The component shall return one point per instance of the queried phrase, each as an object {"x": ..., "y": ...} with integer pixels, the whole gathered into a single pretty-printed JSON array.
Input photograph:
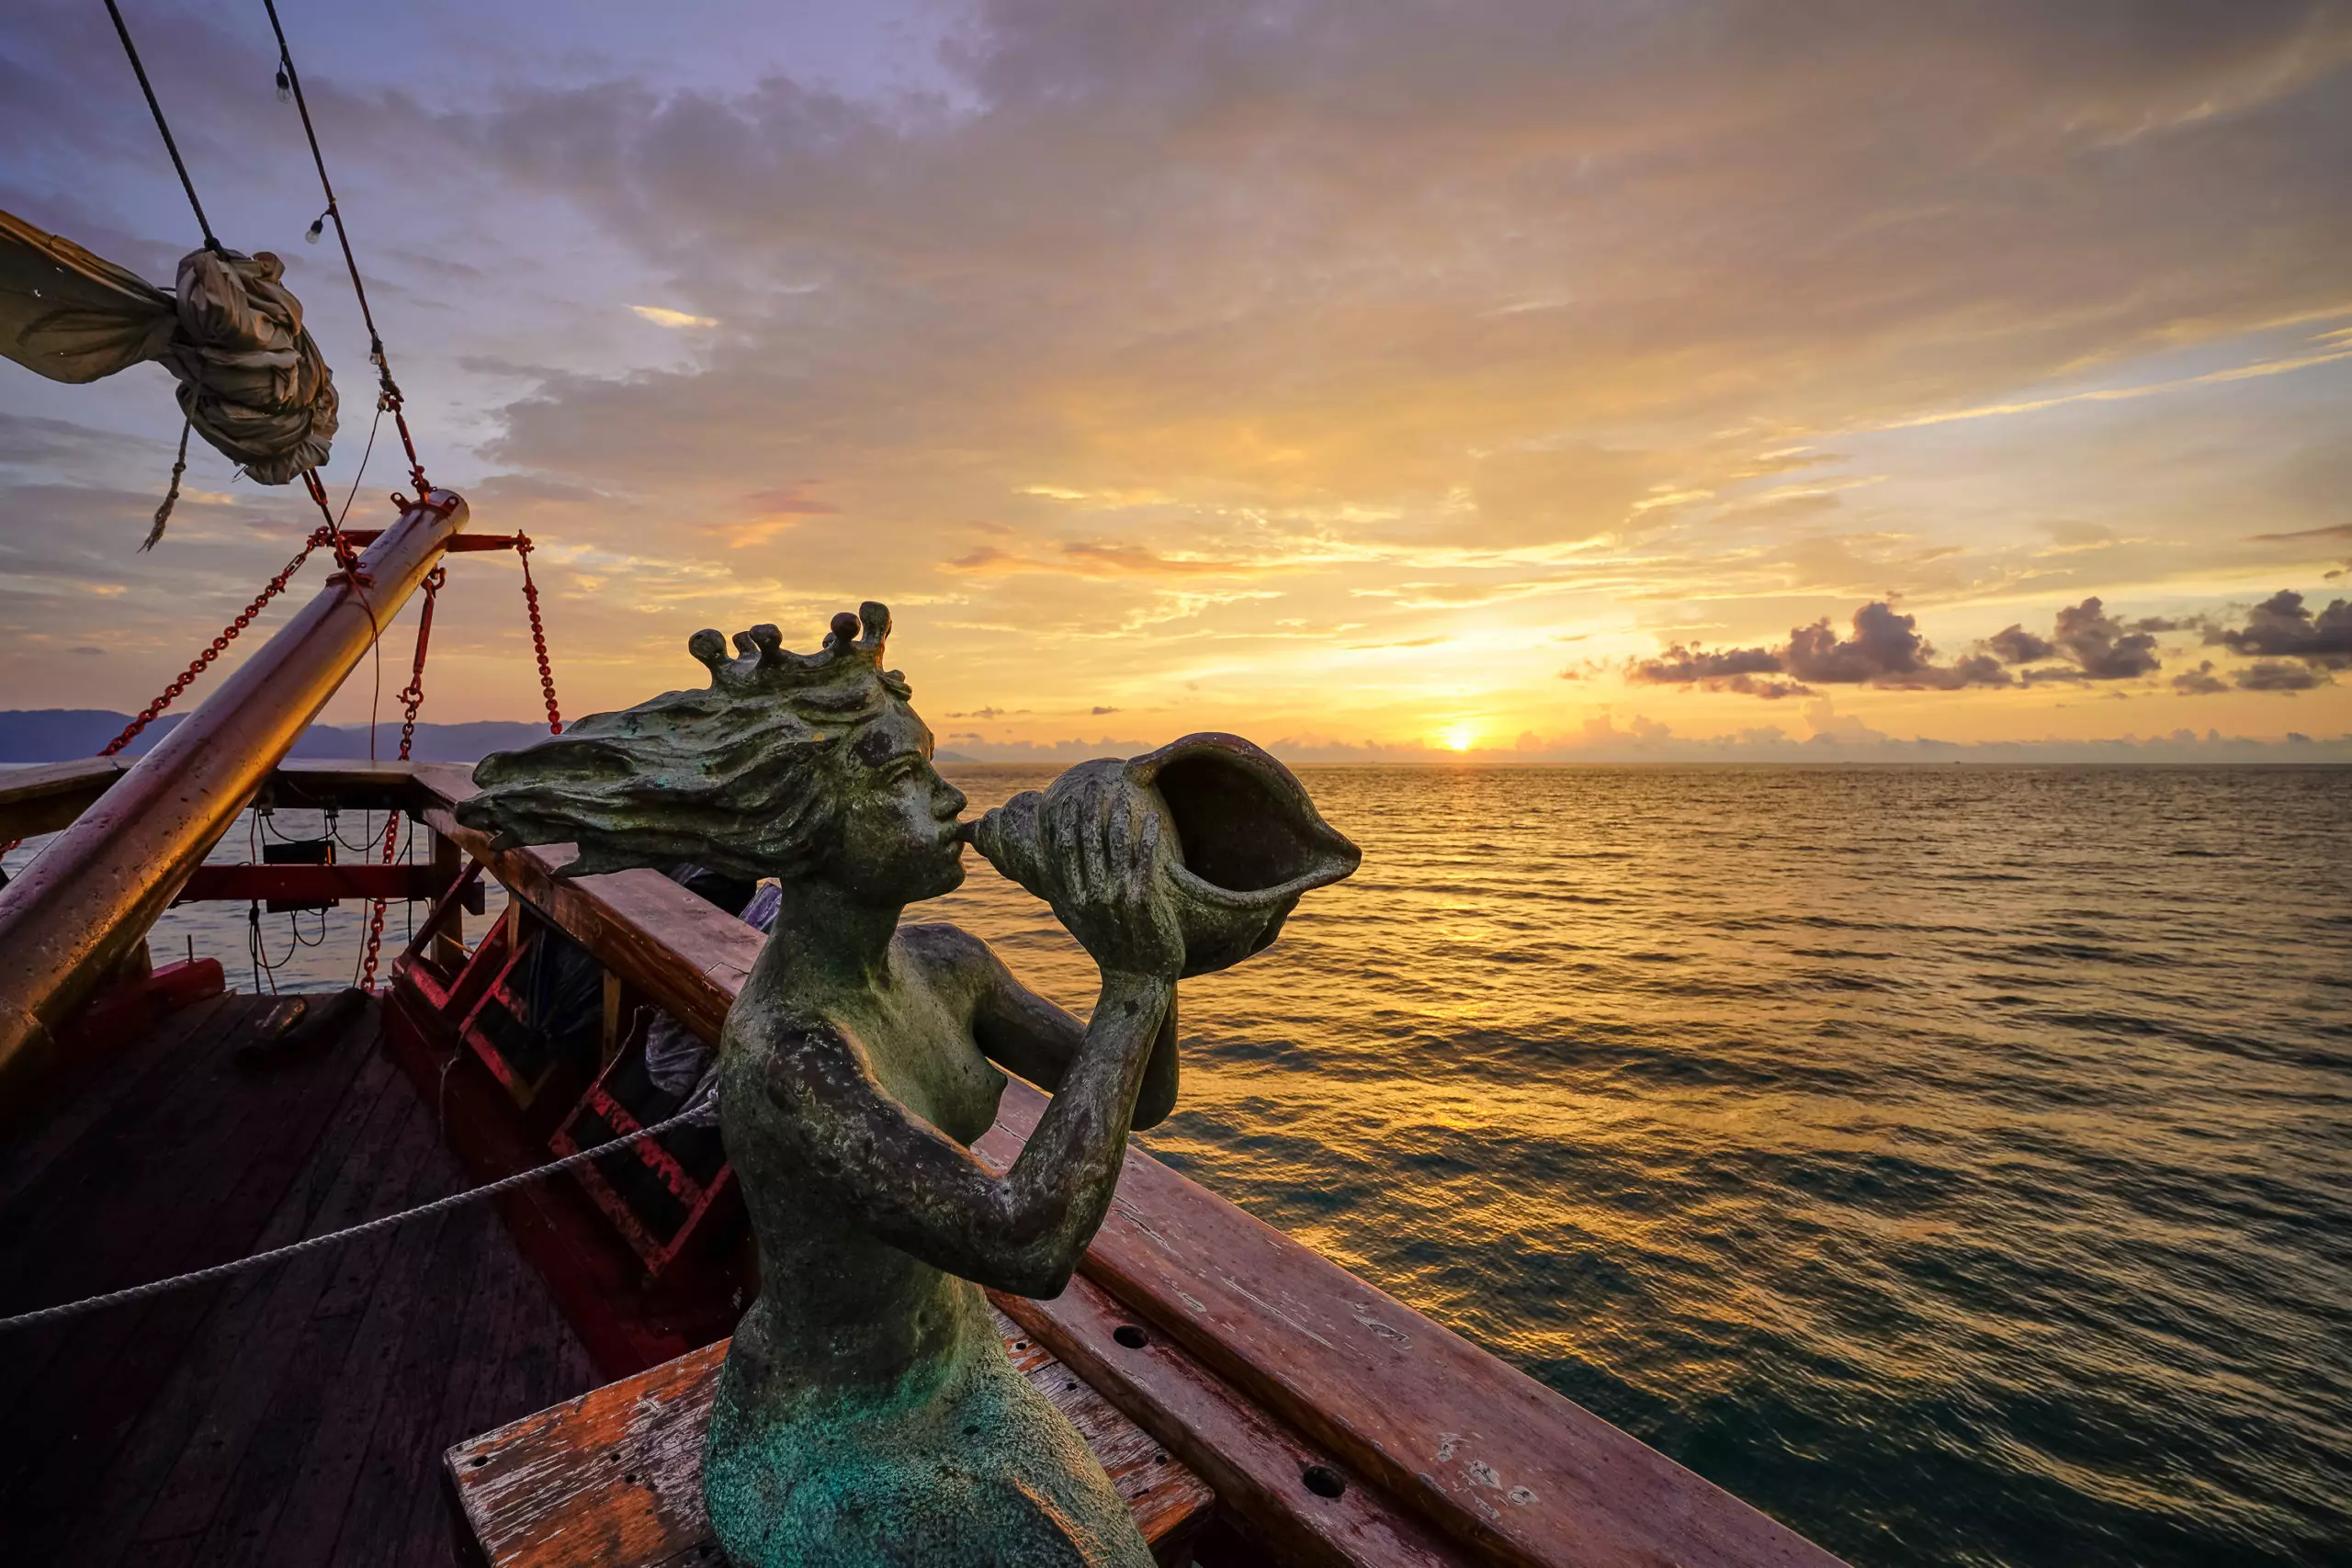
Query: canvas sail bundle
[{"x": 252, "y": 382}]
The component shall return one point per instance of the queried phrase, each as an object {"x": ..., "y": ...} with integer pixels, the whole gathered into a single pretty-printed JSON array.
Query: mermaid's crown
[{"x": 765, "y": 664}]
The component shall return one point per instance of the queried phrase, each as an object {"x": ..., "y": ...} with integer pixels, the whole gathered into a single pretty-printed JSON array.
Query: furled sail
[{"x": 252, "y": 381}]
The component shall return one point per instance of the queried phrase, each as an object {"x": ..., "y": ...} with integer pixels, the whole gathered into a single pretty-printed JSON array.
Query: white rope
[{"x": 704, "y": 1108}]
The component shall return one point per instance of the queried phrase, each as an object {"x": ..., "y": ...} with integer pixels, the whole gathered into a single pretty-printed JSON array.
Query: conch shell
[{"x": 1239, "y": 841}]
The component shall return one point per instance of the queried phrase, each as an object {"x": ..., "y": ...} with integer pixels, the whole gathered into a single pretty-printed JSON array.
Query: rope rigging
[
  {"x": 122, "y": 30},
  {"x": 251, "y": 378},
  {"x": 330, "y": 533},
  {"x": 387, "y": 396}
]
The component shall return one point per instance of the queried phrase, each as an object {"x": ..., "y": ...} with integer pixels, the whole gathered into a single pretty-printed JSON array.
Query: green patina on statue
[{"x": 867, "y": 1412}]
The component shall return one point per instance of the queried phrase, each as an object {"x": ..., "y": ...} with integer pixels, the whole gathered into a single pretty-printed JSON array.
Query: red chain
[
  {"x": 389, "y": 399},
  {"x": 412, "y": 698},
  {"x": 277, "y": 585},
  {"x": 538, "y": 635}
]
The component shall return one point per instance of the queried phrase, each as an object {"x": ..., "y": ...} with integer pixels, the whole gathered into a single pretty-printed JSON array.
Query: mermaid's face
[{"x": 899, "y": 842}]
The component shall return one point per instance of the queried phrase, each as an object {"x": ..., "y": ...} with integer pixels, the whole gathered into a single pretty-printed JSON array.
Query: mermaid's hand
[{"x": 1101, "y": 840}]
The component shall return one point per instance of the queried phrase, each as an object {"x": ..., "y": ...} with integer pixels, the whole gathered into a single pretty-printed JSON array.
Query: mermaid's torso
[{"x": 867, "y": 1412}]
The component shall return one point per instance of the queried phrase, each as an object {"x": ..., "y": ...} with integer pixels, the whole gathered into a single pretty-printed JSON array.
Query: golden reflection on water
[{"x": 1952, "y": 1162}]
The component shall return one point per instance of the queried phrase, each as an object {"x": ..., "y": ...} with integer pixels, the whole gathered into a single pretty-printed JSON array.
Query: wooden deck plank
[
  {"x": 176, "y": 1329},
  {"x": 495, "y": 1387},
  {"x": 424, "y": 1538},
  {"x": 79, "y": 1411},
  {"x": 240, "y": 1152},
  {"x": 363, "y": 1392},
  {"x": 401, "y": 1460},
  {"x": 91, "y": 1181},
  {"x": 566, "y": 1372},
  {"x": 79, "y": 1187},
  {"x": 189, "y": 1496},
  {"x": 240, "y": 1321},
  {"x": 326, "y": 1380},
  {"x": 79, "y": 1096},
  {"x": 612, "y": 1479},
  {"x": 262, "y": 1489}
]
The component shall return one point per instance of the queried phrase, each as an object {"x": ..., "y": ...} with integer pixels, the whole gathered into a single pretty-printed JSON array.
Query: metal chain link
[
  {"x": 412, "y": 698},
  {"x": 523, "y": 548},
  {"x": 277, "y": 585}
]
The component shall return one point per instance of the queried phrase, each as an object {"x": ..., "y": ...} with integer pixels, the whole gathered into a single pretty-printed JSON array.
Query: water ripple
[{"x": 1956, "y": 1164}]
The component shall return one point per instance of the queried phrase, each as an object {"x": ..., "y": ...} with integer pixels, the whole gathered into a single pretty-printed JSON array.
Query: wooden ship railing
[
  {"x": 86, "y": 905},
  {"x": 1336, "y": 1425}
]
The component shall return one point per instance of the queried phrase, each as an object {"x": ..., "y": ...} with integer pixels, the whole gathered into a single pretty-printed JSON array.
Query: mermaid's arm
[
  {"x": 1022, "y": 1031},
  {"x": 922, "y": 1191}
]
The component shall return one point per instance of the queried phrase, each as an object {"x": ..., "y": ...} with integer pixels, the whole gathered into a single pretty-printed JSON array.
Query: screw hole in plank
[{"x": 1323, "y": 1481}]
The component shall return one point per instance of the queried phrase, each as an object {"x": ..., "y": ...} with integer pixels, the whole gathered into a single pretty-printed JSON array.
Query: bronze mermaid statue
[{"x": 868, "y": 1414}]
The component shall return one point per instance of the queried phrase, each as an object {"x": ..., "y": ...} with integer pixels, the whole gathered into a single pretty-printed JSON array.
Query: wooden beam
[
  {"x": 309, "y": 783},
  {"x": 49, "y": 795},
  {"x": 1297, "y": 1499},
  {"x": 311, "y": 884}
]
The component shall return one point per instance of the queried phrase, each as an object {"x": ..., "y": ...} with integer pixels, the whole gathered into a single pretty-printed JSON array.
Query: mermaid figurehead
[{"x": 868, "y": 1414}]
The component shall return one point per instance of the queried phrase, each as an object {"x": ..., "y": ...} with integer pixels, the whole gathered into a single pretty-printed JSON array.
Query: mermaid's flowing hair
[{"x": 737, "y": 777}]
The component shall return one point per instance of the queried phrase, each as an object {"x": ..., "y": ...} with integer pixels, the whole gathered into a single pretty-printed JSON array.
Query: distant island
[{"x": 58, "y": 735}]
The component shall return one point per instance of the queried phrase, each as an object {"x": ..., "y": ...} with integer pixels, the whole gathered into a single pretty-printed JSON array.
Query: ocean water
[{"x": 1954, "y": 1163}]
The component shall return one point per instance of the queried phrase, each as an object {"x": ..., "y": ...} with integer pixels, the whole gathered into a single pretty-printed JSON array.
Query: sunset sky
[{"x": 1368, "y": 378}]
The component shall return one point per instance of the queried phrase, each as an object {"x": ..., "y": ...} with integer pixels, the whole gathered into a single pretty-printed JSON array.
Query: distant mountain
[{"x": 58, "y": 734}]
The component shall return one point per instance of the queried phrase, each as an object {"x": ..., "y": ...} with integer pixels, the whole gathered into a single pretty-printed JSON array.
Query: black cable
[
  {"x": 375, "y": 644},
  {"x": 253, "y": 947},
  {"x": 294, "y": 80},
  {"x": 294, "y": 928},
  {"x": 123, "y": 31}
]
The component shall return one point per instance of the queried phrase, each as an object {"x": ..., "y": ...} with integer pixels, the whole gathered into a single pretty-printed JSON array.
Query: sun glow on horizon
[{"x": 1458, "y": 736}]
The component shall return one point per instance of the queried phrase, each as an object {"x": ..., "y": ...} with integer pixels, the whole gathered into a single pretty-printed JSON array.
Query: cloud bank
[{"x": 1274, "y": 366}]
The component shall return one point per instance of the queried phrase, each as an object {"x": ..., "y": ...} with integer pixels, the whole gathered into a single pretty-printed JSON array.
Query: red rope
[
  {"x": 412, "y": 698},
  {"x": 538, "y": 635},
  {"x": 389, "y": 399},
  {"x": 275, "y": 586}
]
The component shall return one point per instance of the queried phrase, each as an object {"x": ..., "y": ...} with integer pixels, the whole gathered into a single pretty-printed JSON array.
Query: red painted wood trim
[{"x": 309, "y": 883}]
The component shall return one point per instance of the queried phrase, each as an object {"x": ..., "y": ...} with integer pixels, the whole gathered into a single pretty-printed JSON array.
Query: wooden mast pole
[{"x": 70, "y": 919}]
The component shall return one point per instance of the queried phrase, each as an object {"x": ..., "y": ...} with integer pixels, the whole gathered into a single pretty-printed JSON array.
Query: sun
[{"x": 1458, "y": 736}]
